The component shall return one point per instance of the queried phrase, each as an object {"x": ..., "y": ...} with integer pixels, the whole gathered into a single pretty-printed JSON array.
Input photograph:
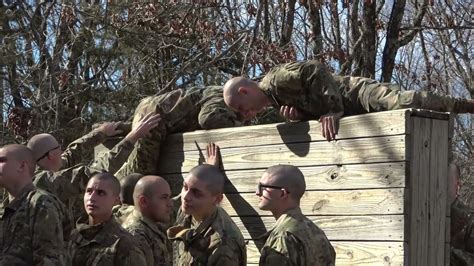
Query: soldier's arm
[
  {"x": 47, "y": 231},
  {"x": 73, "y": 154},
  {"x": 112, "y": 160}
]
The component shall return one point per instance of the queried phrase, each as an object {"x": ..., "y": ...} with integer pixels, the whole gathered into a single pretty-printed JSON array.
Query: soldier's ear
[{"x": 219, "y": 198}]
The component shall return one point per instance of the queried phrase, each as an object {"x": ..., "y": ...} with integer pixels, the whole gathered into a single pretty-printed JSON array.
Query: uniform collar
[{"x": 15, "y": 204}]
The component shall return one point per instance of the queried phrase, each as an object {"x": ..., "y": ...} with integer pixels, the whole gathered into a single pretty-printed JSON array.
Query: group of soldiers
[{"x": 60, "y": 208}]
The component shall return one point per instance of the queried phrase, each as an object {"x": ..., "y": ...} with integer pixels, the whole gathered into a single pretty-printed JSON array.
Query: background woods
[{"x": 68, "y": 64}]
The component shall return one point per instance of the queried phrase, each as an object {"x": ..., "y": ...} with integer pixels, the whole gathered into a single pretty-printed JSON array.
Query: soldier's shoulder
[
  {"x": 226, "y": 230},
  {"x": 40, "y": 197}
]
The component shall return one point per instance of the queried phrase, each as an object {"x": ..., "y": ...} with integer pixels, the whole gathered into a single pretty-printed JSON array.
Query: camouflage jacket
[
  {"x": 78, "y": 150},
  {"x": 103, "y": 244},
  {"x": 152, "y": 239},
  {"x": 32, "y": 230},
  {"x": 214, "y": 241},
  {"x": 310, "y": 87},
  {"x": 69, "y": 184},
  {"x": 307, "y": 85},
  {"x": 296, "y": 240},
  {"x": 122, "y": 212},
  {"x": 195, "y": 108},
  {"x": 462, "y": 234}
]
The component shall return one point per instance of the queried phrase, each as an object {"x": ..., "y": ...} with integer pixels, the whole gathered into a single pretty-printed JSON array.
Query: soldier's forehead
[{"x": 99, "y": 184}]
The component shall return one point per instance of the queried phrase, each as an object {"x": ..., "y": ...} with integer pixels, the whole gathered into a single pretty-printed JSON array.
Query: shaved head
[
  {"x": 128, "y": 186},
  {"x": 114, "y": 183},
  {"x": 211, "y": 175},
  {"x": 231, "y": 88},
  {"x": 42, "y": 143},
  {"x": 152, "y": 197},
  {"x": 147, "y": 185},
  {"x": 20, "y": 153},
  {"x": 289, "y": 177}
]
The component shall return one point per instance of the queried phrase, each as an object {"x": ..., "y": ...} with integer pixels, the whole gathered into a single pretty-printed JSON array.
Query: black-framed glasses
[
  {"x": 261, "y": 186},
  {"x": 46, "y": 153}
]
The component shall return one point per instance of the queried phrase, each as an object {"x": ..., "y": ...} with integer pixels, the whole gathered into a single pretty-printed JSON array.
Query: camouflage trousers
[
  {"x": 178, "y": 114},
  {"x": 362, "y": 95}
]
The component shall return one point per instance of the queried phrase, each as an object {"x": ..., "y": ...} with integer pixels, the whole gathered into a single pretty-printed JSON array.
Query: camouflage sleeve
[
  {"x": 112, "y": 160},
  {"x": 309, "y": 84},
  {"x": 214, "y": 113},
  {"x": 74, "y": 153},
  {"x": 65, "y": 184},
  {"x": 47, "y": 235},
  {"x": 229, "y": 254},
  {"x": 289, "y": 249}
]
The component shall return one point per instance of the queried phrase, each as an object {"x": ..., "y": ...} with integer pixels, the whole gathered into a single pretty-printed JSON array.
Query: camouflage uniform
[
  {"x": 462, "y": 234},
  {"x": 32, "y": 229},
  {"x": 196, "y": 108},
  {"x": 69, "y": 183},
  {"x": 103, "y": 244},
  {"x": 215, "y": 241},
  {"x": 152, "y": 239},
  {"x": 122, "y": 212},
  {"x": 309, "y": 86},
  {"x": 296, "y": 240}
]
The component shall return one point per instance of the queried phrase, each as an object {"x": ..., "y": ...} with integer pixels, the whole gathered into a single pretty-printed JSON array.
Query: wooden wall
[{"x": 379, "y": 192}]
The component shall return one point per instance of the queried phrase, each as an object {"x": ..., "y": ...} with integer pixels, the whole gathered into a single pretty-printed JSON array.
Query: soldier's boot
[{"x": 442, "y": 103}]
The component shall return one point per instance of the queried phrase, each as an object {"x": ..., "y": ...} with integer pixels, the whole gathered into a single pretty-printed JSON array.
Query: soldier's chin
[{"x": 187, "y": 209}]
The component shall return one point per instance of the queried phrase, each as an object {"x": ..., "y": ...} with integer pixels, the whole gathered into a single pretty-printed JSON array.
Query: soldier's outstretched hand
[
  {"x": 329, "y": 125},
  {"x": 290, "y": 112},
  {"x": 144, "y": 126},
  {"x": 213, "y": 155},
  {"x": 109, "y": 128}
]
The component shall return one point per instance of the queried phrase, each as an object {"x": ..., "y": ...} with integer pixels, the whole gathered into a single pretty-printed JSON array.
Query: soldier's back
[
  {"x": 296, "y": 240},
  {"x": 151, "y": 238},
  {"x": 33, "y": 229}
]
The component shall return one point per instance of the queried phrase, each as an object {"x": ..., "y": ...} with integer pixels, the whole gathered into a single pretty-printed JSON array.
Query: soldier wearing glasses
[
  {"x": 65, "y": 174},
  {"x": 294, "y": 239}
]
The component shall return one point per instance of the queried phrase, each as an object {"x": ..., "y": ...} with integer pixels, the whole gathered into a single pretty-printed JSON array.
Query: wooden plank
[
  {"x": 335, "y": 202},
  {"x": 424, "y": 113},
  {"x": 366, "y": 125},
  {"x": 352, "y": 228},
  {"x": 354, "y": 253},
  {"x": 328, "y": 177},
  {"x": 350, "y": 151},
  {"x": 419, "y": 148},
  {"x": 437, "y": 191}
]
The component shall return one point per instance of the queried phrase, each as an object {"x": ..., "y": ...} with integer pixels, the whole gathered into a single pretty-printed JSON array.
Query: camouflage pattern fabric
[
  {"x": 296, "y": 240},
  {"x": 152, "y": 239},
  {"x": 309, "y": 86},
  {"x": 33, "y": 230},
  {"x": 69, "y": 184},
  {"x": 77, "y": 151},
  {"x": 181, "y": 111},
  {"x": 103, "y": 244},
  {"x": 215, "y": 241},
  {"x": 122, "y": 212},
  {"x": 462, "y": 234}
]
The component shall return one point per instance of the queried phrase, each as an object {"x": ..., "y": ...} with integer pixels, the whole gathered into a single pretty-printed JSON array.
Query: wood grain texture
[
  {"x": 328, "y": 177},
  {"x": 352, "y": 228},
  {"x": 438, "y": 191},
  {"x": 331, "y": 202},
  {"x": 350, "y": 151},
  {"x": 354, "y": 253},
  {"x": 366, "y": 125},
  {"x": 420, "y": 146}
]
